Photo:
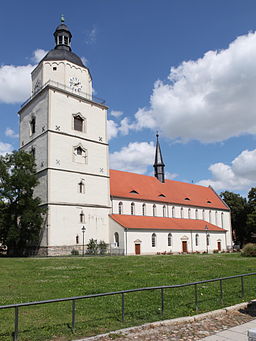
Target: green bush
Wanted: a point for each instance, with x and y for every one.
(92, 247)
(249, 250)
(102, 247)
(74, 252)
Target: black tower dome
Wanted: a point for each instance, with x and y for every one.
(62, 50)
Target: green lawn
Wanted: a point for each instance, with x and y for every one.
(24, 280)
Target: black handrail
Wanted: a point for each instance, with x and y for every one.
(122, 292)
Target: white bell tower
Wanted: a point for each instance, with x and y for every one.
(65, 127)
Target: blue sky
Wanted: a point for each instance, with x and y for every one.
(184, 68)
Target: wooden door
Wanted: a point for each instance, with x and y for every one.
(137, 249)
(184, 246)
(219, 246)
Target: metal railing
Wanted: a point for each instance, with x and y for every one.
(73, 299)
(68, 89)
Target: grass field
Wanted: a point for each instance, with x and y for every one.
(33, 279)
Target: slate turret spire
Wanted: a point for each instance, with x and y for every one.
(159, 164)
(62, 36)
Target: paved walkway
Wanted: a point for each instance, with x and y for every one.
(238, 333)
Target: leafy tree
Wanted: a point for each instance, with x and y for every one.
(20, 214)
(239, 210)
(251, 217)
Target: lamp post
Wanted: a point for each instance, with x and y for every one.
(206, 230)
(83, 230)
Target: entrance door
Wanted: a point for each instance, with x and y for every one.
(219, 246)
(184, 246)
(137, 249)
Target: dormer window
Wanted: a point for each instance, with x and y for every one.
(134, 191)
(186, 198)
(209, 202)
(161, 195)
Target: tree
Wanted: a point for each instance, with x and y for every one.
(251, 217)
(239, 210)
(21, 217)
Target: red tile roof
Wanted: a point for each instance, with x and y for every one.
(123, 185)
(159, 223)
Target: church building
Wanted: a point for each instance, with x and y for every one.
(65, 127)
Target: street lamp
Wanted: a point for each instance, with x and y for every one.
(83, 230)
(206, 230)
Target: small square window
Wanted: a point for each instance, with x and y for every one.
(78, 123)
(54, 68)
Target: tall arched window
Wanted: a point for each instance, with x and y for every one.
(208, 239)
(216, 217)
(203, 214)
(173, 212)
(116, 237)
(81, 187)
(189, 213)
(196, 214)
(169, 239)
(222, 219)
(164, 211)
(153, 238)
(132, 208)
(154, 210)
(144, 209)
(181, 212)
(197, 236)
(120, 208)
(210, 216)
(82, 217)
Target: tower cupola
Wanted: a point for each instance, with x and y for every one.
(159, 164)
(62, 36)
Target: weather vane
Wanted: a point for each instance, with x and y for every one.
(62, 19)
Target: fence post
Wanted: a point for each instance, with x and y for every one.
(221, 292)
(16, 324)
(196, 298)
(73, 314)
(122, 307)
(242, 286)
(162, 301)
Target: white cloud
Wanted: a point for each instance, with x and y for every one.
(38, 55)
(135, 157)
(85, 61)
(15, 83)
(91, 36)
(5, 148)
(240, 175)
(10, 133)
(112, 129)
(123, 128)
(210, 99)
(116, 113)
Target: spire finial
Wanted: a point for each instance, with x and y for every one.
(62, 19)
(157, 135)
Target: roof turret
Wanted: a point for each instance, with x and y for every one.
(159, 163)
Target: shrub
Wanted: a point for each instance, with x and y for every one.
(215, 251)
(74, 252)
(92, 247)
(102, 247)
(249, 250)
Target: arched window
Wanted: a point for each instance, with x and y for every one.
(132, 208)
(216, 217)
(33, 126)
(197, 236)
(154, 210)
(210, 216)
(164, 211)
(169, 239)
(80, 154)
(181, 212)
(120, 208)
(116, 237)
(203, 214)
(82, 217)
(144, 209)
(222, 219)
(196, 214)
(81, 187)
(173, 212)
(77, 239)
(189, 213)
(153, 240)
(208, 239)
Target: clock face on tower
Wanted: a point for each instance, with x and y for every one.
(75, 84)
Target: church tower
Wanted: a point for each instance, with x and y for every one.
(65, 127)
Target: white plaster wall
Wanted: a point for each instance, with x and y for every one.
(115, 227)
(64, 224)
(38, 109)
(145, 236)
(63, 188)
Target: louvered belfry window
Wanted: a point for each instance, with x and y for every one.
(78, 123)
